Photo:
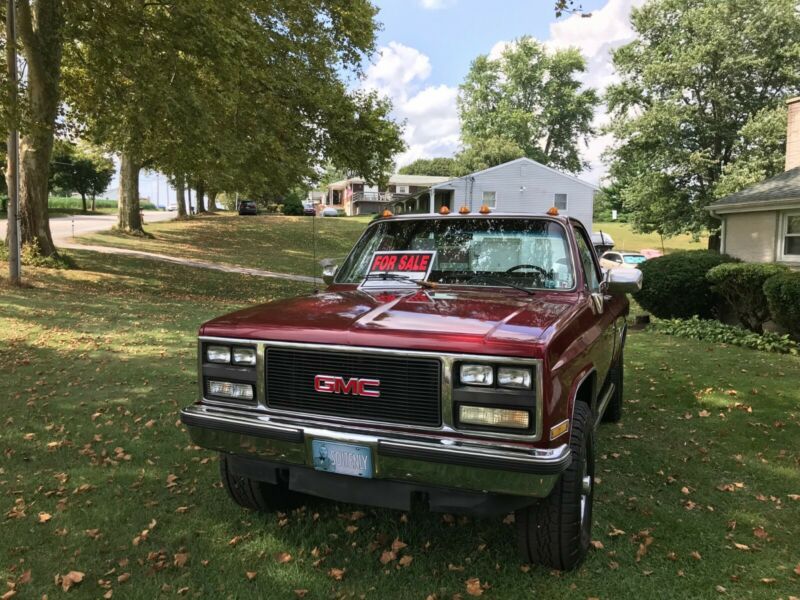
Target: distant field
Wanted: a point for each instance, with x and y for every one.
(60, 206)
(625, 239)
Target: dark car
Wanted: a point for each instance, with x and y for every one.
(308, 209)
(461, 362)
(248, 207)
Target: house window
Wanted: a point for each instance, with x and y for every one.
(791, 236)
(490, 199)
(560, 201)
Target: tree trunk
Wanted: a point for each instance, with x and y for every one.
(212, 197)
(83, 201)
(189, 200)
(130, 218)
(42, 42)
(93, 203)
(200, 191)
(180, 199)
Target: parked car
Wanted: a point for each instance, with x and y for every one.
(463, 361)
(602, 242)
(248, 207)
(622, 260)
(308, 209)
(329, 211)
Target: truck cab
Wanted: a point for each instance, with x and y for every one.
(462, 361)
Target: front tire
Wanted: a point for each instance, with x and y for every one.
(556, 532)
(254, 494)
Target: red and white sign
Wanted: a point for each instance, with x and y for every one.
(333, 384)
(408, 264)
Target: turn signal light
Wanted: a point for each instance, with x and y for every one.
(387, 213)
(493, 417)
(557, 431)
(552, 211)
(485, 210)
(444, 210)
(464, 210)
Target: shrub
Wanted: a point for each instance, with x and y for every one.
(714, 331)
(293, 204)
(783, 298)
(742, 286)
(675, 285)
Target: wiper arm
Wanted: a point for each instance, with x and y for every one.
(501, 282)
(395, 277)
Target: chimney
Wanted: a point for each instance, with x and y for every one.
(793, 134)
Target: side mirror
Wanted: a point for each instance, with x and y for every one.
(329, 269)
(623, 281)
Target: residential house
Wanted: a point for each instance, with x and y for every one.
(761, 223)
(518, 186)
(355, 197)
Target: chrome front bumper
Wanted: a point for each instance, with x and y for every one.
(446, 463)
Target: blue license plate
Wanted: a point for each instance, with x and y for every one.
(345, 459)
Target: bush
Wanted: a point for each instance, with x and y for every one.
(714, 331)
(293, 204)
(783, 298)
(742, 286)
(675, 285)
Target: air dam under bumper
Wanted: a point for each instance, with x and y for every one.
(455, 476)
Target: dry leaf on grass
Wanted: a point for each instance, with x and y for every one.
(250, 575)
(283, 557)
(69, 580)
(474, 586)
(337, 574)
(406, 560)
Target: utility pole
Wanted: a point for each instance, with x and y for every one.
(14, 266)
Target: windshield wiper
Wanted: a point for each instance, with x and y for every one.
(501, 282)
(395, 277)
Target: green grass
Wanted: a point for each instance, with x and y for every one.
(97, 362)
(64, 207)
(271, 242)
(625, 239)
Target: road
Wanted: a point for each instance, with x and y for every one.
(62, 227)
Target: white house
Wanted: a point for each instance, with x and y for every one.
(519, 186)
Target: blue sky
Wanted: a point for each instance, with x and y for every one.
(425, 48)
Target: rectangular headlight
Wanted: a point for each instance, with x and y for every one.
(218, 354)
(227, 389)
(244, 356)
(476, 374)
(514, 377)
(493, 417)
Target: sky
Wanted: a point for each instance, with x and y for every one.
(425, 48)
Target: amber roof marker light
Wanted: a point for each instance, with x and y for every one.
(485, 210)
(386, 214)
(552, 211)
(464, 210)
(444, 210)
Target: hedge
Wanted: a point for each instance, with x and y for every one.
(719, 333)
(783, 298)
(742, 286)
(675, 285)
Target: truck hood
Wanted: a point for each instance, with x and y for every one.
(492, 320)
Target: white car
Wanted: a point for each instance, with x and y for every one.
(621, 260)
(329, 211)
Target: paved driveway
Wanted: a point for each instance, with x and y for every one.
(62, 227)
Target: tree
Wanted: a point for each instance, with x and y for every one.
(531, 97)
(482, 154)
(438, 167)
(78, 168)
(697, 77)
(293, 203)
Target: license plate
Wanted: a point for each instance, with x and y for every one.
(345, 459)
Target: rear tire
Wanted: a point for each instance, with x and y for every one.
(254, 494)
(613, 412)
(556, 532)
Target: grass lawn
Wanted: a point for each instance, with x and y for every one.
(271, 242)
(64, 207)
(697, 493)
(625, 239)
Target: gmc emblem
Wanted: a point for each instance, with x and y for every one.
(333, 384)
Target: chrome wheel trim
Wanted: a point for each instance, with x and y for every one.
(586, 491)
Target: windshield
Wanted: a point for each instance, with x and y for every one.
(633, 259)
(530, 253)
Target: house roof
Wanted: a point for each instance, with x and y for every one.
(784, 187)
(523, 159)
(394, 179)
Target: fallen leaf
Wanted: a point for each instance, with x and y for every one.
(180, 559)
(337, 574)
(597, 545)
(250, 575)
(406, 560)
(235, 540)
(387, 556)
(720, 589)
(71, 579)
(474, 586)
(44, 517)
(123, 578)
(283, 557)
(695, 555)
(743, 547)
(704, 413)
(397, 545)
(300, 593)
(509, 519)
(452, 567)
(797, 569)
(760, 533)
(615, 532)
(768, 580)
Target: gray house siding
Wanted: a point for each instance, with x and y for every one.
(523, 186)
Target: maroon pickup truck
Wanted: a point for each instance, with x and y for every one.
(458, 361)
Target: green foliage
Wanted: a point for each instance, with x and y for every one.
(741, 285)
(783, 298)
(697, 90)
(531, 97)
(719, 333)
(31, 256)
(437, 167)
(81, 169)
(293, 203)
(675, 285)
(482, 154)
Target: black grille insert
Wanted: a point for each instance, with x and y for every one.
(409, 387)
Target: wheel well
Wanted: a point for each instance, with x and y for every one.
(586, 391)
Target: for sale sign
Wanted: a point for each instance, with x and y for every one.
(397, 268)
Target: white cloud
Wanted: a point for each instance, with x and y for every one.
(436, 4)
(430, 112)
